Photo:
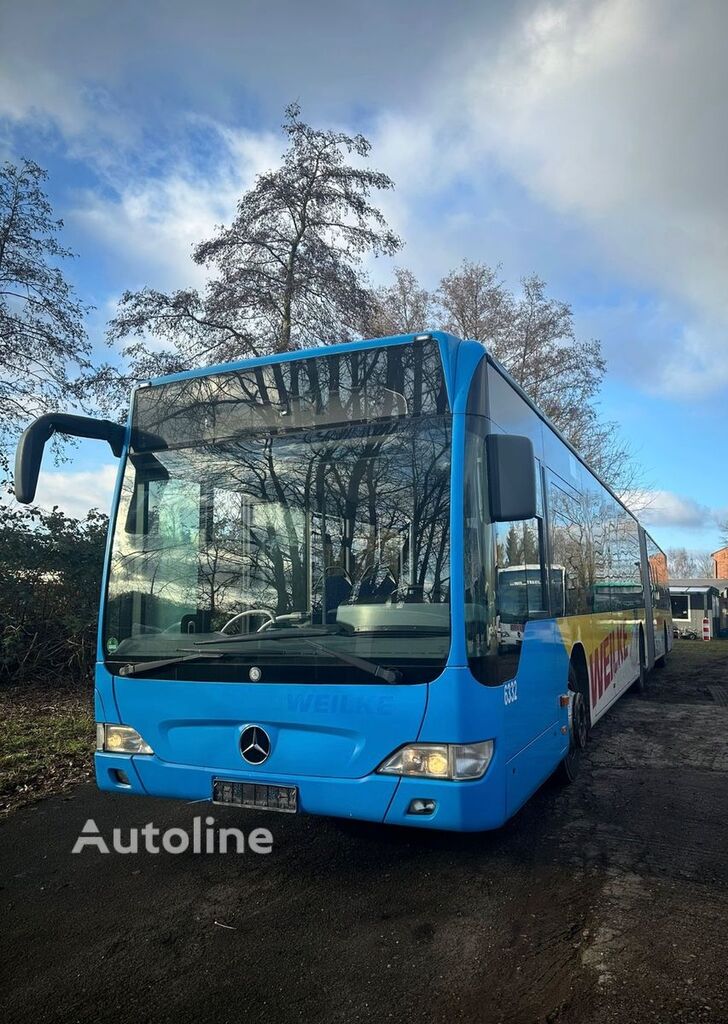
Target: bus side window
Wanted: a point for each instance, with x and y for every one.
(659, 575)
(558, 591)
(571, 571)
(520, 587)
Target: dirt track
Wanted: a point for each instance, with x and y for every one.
(604, 902)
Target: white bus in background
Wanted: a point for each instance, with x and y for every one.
(518, 590)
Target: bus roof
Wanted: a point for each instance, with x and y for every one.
(445, 340)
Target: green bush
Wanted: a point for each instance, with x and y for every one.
(50, 578)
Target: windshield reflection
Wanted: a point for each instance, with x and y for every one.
(309, 529)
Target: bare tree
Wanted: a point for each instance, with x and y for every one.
(286, 273)
(475, 303)
(561, 373)
(42, 334)
(602, 445)
(681, 562)
(704, 565)
(533, 336)
(686, 564)
(403, 307)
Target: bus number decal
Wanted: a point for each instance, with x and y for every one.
(510, 692)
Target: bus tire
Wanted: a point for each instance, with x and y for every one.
(662, 660)
(639, 686)
(568, 768)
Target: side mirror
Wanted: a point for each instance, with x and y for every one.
(511, 477)
(29, 454)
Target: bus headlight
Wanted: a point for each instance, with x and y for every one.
(120, 739)
(456, 761)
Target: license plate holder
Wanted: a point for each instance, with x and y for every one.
(255, 795)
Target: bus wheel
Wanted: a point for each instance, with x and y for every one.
(578, 731)
(639, 686)
(662, 660)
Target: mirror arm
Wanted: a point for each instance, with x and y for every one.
(29, 453)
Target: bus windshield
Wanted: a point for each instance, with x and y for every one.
(343, 526)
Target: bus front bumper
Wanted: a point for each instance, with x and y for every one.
(458, 806)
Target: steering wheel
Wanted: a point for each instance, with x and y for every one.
(250, 611)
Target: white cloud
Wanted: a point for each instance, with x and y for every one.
(48, 101)
(604, 118)
(228, 54)
(150, 224)
(664, 508)
(697, 364)
(77, 492)
(611, 111)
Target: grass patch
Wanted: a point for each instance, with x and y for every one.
(47, 744)
(700, 659)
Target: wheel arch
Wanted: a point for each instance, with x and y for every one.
(581, 667)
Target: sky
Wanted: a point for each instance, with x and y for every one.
(584, 140)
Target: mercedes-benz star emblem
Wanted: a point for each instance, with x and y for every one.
(255, 744)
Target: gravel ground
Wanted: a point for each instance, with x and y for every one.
(604, 902)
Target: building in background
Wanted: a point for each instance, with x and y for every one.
(720, 563)
(695, 599)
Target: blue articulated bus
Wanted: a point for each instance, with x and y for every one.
(369, 580)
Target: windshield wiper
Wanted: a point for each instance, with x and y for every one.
(378, 671)
(389, 675)
(149, 666)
